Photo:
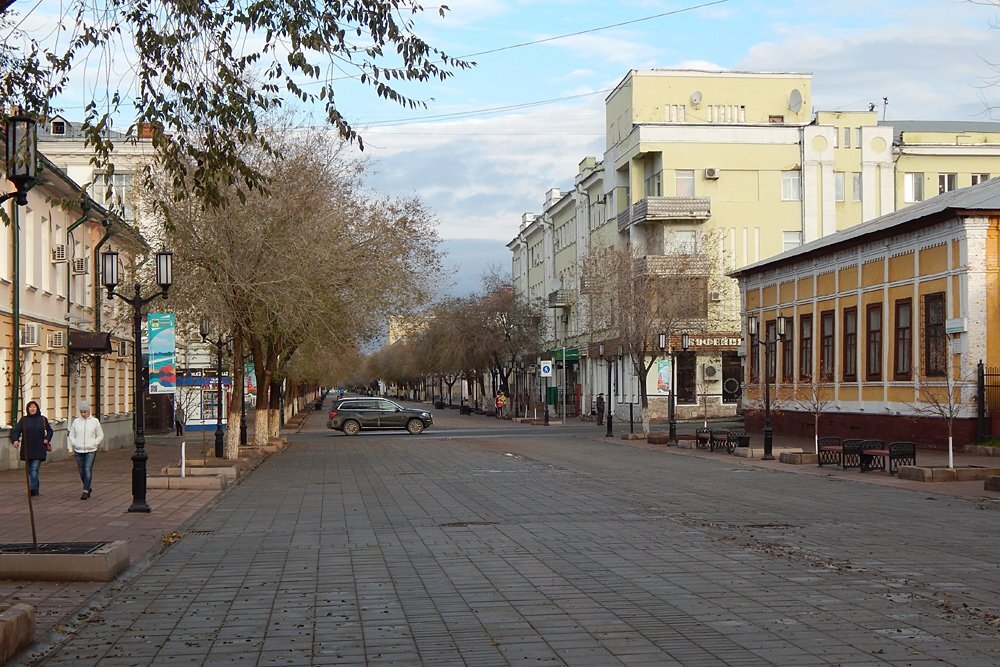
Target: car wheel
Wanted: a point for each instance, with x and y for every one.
(351, 427)
(415, 426)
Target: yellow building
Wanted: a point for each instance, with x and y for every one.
(735, 166)
(885, 323)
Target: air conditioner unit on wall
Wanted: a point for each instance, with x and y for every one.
(29, 334)
(710, 372)
(712, 173)
(59, 253)
(715, 296)
(57, 340)
(80, 265)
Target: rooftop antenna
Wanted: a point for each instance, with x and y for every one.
(871, 106)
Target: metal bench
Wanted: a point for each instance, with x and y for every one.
(718, 439)
(829, 451)
(871, 455)
(737, 439)
(850, 452)
(888, 458)
(703, 437)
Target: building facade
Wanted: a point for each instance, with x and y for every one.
(884, 323)
(737, 167)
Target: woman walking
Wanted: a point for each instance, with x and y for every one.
(33, 435)
(84, 437)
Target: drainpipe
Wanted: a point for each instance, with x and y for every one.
(97, 317)
(15, 391)
(85, 206)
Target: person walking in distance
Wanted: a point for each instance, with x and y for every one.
(85, 437)
(33, 435)
(179, 417)
(600, 409)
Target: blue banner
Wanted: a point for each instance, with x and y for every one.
(162, 363)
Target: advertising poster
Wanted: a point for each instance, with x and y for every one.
(162, 363)
(663, 376)
(250, 383)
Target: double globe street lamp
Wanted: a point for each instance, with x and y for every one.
(219, 344)
(672, 421)
(769, 360)
(110, 279)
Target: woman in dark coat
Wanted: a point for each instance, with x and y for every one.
(34, 437)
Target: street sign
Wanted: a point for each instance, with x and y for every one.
(545, 368)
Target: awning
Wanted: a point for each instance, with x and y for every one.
(89, 342)
(572, 354)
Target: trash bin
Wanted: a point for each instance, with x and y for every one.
(465, 410)
(439, 405)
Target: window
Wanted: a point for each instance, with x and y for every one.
(947, 183)
(790, 186)
(980, 178)
(857, 137)
(805, 347)
(856, 186)
(58, 128)
(873, 358)
(754, 360)
(114, 192)
(787, 353)
(838, 183)
(903, 351)
(687, 365)
(771, 345)
(791, 240)
(684, 179)
(913, 187)
(847, 137)
(935, 344)
(826, 333)
(654, 185)
(851, 344)
(836, 137)
(682, 242)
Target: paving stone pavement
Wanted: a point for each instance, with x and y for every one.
(550, 546)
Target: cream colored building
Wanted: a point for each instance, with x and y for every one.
(736, 165)
(67, 348)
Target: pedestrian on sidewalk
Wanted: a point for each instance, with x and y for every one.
(179, 417)
(85, 437)
(34, 433)
(600, 409)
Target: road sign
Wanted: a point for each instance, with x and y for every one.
(545, 368)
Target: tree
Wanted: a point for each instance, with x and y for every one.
(947, 397)
(206, 74)
(815, 401)
(637, 297)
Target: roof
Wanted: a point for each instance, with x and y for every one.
(946, 126)
(982, 197)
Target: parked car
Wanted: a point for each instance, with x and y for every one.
(357, 413)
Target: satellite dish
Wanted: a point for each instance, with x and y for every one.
(795, 101)
(696, 98)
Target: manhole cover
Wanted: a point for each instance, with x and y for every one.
(74, 548)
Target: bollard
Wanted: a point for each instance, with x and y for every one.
(183, 457)
(631, 423)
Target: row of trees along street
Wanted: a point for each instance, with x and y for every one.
(272, 230)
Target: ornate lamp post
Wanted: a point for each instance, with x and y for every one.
(607, 403)
(219, 344)
(110, 279)
(21, 157)
(672, 421)
(752, 330)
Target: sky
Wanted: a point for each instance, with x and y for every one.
(495, 138)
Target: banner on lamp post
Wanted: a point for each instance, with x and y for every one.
(663, 377)
(162, 361)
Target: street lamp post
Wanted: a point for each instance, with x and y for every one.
(672, 421)
(752, 330)
(220, 344)
(21, 157)
(110, 280)
(600, 353)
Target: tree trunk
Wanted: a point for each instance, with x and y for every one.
(274, 409)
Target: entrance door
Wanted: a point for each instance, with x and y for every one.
(732, 377)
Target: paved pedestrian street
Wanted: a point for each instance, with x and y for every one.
(504, 544)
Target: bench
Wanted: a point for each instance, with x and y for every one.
(888, 458)
(702, 437)
(850, 452)
(829, 451)
(718, 439)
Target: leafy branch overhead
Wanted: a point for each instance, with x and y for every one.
(207, 73)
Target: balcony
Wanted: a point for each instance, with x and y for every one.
(662, 209)
(589, 285)
(559, 299)
(694, 266)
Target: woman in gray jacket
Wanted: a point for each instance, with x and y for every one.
(84, 437)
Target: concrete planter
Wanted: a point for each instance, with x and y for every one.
(17, 629)
(102, 564)
(942, 474)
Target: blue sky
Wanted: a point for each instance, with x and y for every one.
(480, 172)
